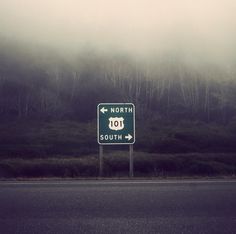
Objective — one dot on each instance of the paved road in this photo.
(118, 207)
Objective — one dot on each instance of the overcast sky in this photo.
(137, 26)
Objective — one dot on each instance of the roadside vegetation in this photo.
(70, 149)
(116, 164)
(34, 139)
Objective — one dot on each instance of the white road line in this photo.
(113, 182)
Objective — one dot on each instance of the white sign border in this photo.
(118, 103)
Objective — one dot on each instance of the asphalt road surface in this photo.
(118, 207)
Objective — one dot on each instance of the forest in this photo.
(36, 83)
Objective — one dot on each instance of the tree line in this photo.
(42, 84)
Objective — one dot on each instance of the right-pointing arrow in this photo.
(129, 137)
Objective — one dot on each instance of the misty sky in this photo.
(137, 26)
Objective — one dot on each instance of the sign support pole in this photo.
(100, 160)
(116, 125)
(131, 161)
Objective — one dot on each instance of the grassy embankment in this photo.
(69, 149)
(117, 164)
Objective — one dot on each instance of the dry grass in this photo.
(117, 164)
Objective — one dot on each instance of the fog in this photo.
(199, 29)
(173, 59)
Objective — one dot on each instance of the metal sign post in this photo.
(116, 125)
(131, 161)
(100, 160)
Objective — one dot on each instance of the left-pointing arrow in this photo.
(104, 110)
(129, 137)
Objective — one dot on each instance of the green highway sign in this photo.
(116, 123)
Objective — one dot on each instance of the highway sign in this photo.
(116, 123)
